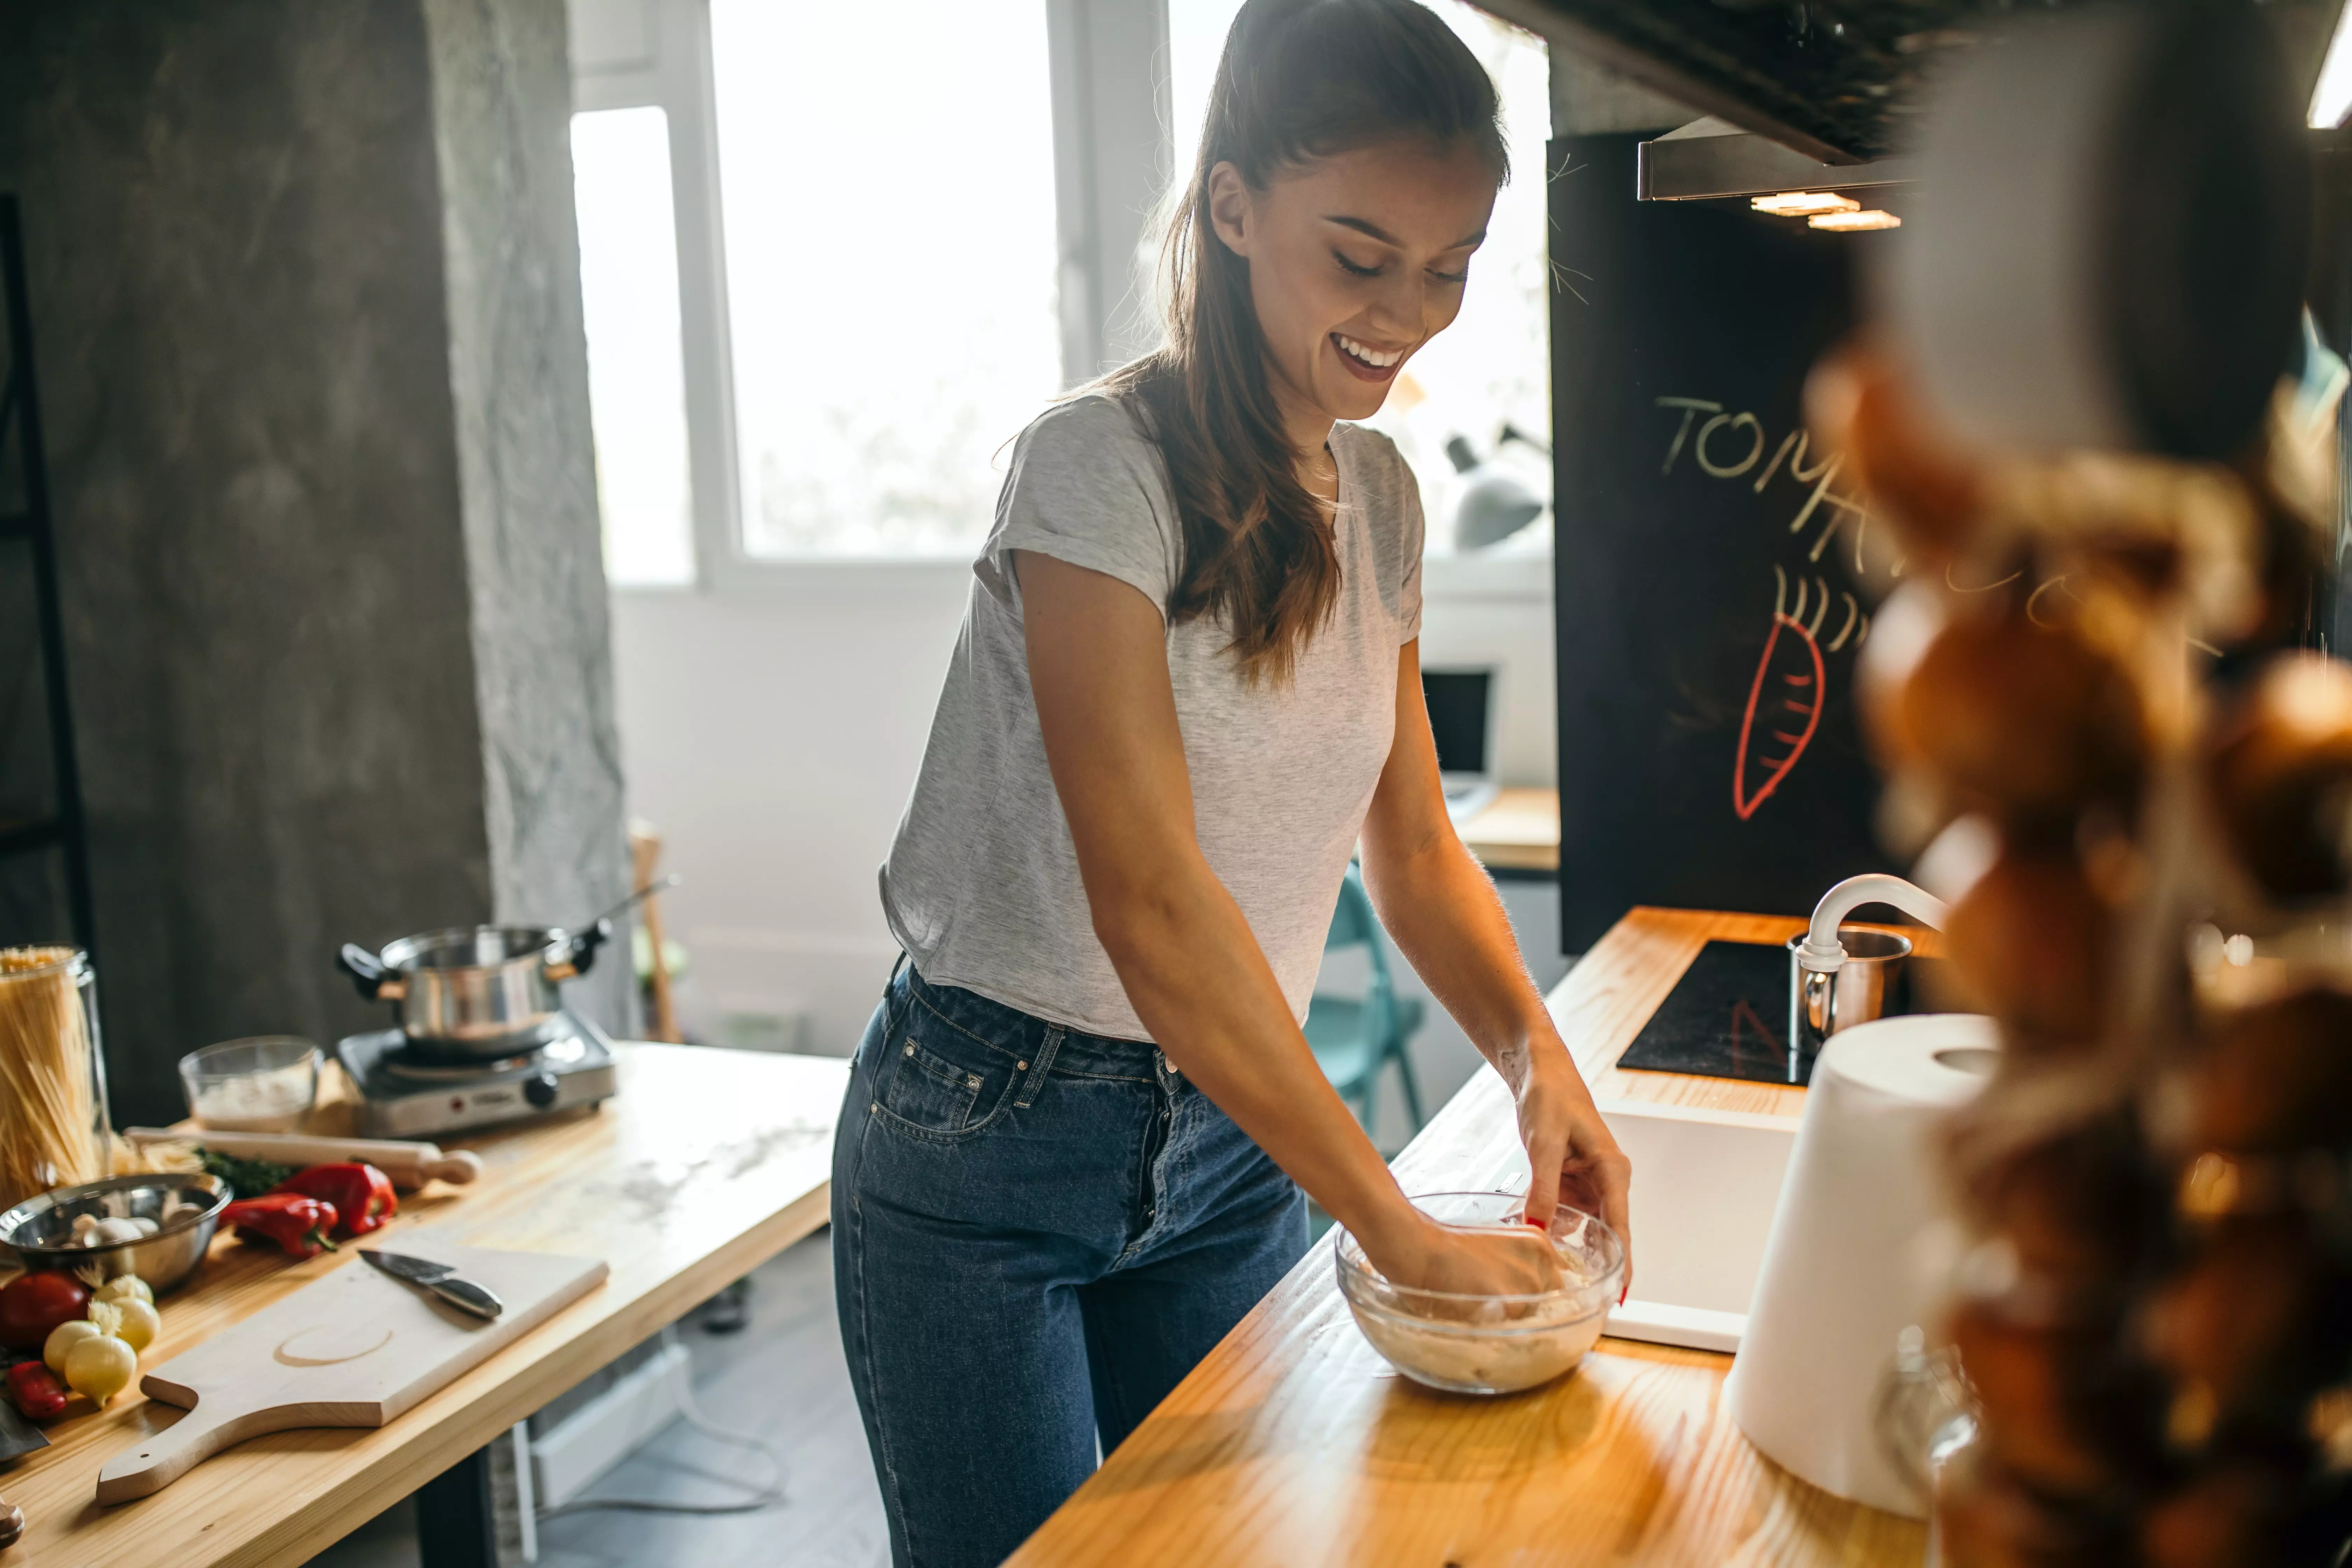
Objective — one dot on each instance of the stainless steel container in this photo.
(40, 1229)
(1820, 1005)
(476, 992)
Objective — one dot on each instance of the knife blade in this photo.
(18, 1436)
(440, 1278)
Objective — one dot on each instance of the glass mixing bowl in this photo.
(264, 1084)
(1489, 1344)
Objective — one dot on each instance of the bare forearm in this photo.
(1198, 980)
(1441, 910)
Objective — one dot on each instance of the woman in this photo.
(1187, 683)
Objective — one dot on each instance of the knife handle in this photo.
(467, 1296)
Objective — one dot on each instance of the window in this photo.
(819, 346)
(887, 181)
(636, 380)
(1491, 370)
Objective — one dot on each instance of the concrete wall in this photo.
(551, 788)
(271, 503)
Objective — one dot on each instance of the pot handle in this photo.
(576, 954)
(375, 982)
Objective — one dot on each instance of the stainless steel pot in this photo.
(476, 992)
(479, 993)
(1856, 993)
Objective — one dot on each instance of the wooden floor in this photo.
(783, 1379)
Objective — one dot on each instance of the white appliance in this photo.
(1851, 1261)
(1706, 1183)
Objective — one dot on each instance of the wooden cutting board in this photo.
(355, 1349)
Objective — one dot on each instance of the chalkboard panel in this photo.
(1708, 601)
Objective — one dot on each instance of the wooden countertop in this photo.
(1294, 1444)
(1517, 831)
(705, 1164)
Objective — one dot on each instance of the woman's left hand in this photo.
(1574, 1159)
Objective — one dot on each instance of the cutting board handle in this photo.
(162, 1457)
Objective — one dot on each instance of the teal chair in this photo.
(1354, 1037)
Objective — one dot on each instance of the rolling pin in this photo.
(409, 1164)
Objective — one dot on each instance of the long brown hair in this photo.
(1299, 79)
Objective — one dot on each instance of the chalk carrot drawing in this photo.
(1784, 701)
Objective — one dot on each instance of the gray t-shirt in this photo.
(982, 886)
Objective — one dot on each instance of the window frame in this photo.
(1113, 150)
(674, 74)
(1112, 153)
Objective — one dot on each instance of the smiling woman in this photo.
(1314, 96)
(1186, 692)
(1491, 371)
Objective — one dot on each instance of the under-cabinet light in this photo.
(1804, 204)
(1854, 221)
(2331, 98)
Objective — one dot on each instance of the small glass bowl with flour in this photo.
(1489, 1345)
(264, 1084)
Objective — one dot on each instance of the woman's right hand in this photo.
(1466, 1260)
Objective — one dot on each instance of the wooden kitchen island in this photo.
(704, 1165)
(1294, 1444)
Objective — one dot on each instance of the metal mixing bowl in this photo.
(40, 1229)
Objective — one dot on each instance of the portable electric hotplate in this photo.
(406, 1092)
(1728, 1016)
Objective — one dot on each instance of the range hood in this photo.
(1712, 160)
(1827, 83)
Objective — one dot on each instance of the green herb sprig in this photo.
(245, 1178)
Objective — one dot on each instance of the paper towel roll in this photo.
(1841, 1278)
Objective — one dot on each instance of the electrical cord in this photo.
(690, 1412)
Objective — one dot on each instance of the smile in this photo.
(1365, 361)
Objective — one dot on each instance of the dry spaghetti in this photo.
(48, 1111)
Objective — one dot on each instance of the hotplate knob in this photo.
(539, 1089)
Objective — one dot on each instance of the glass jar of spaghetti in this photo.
(54, 1127)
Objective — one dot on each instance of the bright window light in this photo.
(2331, 98)
(888, 177)
(1196, 38)
(1855, 222)
(1804, 204)
(636, 377)
(1491, 370)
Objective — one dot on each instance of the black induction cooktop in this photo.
(1728, 1016)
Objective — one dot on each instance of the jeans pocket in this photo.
(938, 1081)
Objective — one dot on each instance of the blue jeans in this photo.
(1036, 1234)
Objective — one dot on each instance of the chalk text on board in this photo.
(1728, 445)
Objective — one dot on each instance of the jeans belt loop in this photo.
(1037, 1070)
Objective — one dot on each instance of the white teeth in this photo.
(1371, 357)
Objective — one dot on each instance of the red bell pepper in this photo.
(294, 1222)
(35, 1390)
(361, 1195)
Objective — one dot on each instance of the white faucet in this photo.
(1820, 952)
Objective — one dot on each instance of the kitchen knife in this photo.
(18, 1436)
(440, 1278)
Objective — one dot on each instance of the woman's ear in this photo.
(1230, 209)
